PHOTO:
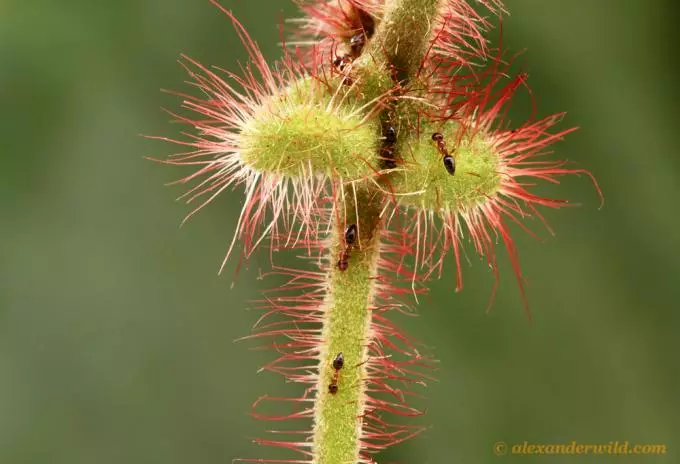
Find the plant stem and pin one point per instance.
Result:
(401, 41)
(404, 34)
(346, 329)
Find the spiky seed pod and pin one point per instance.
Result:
(282, 135)
(494, 168)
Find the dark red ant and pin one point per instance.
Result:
(387, 149)
(449, 161)
(350, 239)
(338, 362)
(356, 46)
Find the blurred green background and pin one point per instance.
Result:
(116, 334)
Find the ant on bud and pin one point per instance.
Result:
(350, 239)
(449, 161)
(356, 46)
(387, 149)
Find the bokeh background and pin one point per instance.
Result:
(116, 333)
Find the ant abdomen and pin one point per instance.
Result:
(338, 361)
(450, 164)
(350, 239)
(351, 234)
(356, 44)
(389, 134)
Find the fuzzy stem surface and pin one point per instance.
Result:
(400, 42)
(404, 34)
(347, 330)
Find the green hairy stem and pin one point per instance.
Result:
(403, 36)
(401, 40)
(346, 330)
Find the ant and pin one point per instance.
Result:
(338, 362)
(356, 46)
(350, 239)
(387, 150)
(449, 161)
